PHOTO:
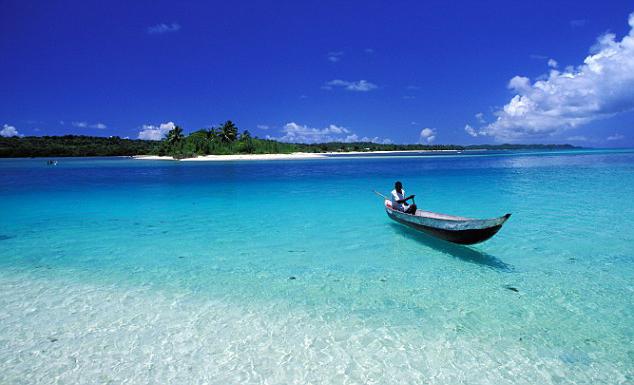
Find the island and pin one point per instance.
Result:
(225, 142)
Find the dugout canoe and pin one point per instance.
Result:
(465, 231)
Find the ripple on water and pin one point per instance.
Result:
(53, 330)
(141, 272)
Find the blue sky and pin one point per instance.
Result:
(406, 72)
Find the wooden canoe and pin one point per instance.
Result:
(465, 231)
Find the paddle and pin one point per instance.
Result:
(379, 194)
(384, 197)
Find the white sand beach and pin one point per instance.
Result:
(212, 158)
(291, 156)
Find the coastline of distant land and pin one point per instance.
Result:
(291, 156)
(240, 148)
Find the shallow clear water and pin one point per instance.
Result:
(126, 271)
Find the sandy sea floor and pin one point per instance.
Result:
(124, 271)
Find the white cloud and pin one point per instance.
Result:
(361, 85)
(552, 63)
(427, 135)
(480, 117)
(577, 138)
(334, 56)
(520, 83)
(150, 132)
(9, 131)
(470, 130)
(297, 133)
(601, 87)
(615, 137)
(376, 139)
(263, 126)
(84, 124)
(163, 28)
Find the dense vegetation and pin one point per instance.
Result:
(73, 145)
(223, 140)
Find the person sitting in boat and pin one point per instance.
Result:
(399, 201)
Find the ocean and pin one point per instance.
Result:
(115, 270)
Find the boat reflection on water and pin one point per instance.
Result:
(464, 253)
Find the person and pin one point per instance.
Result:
(399, 201)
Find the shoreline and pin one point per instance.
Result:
(291, 156)
(220, 158)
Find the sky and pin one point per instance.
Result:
(315, 71)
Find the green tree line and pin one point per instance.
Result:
(224, 139)
(73, 145)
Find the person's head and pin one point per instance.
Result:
(398, 185)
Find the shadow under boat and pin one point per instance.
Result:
(464, 253)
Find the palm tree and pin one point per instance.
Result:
(228, 132)
(199, 140)
(212, 134)
(246, 135)
(247, 142)
(175, 135)
(200, 134)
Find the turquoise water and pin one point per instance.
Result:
(117, 271)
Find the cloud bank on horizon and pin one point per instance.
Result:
(601, 87)
(298, 133)
(82, 124)
(152, 132)
(8, 131)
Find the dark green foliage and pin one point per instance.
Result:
(223, 140)
(74, 145)
(228, 132)
(175, 136)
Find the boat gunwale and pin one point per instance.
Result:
(479, 224)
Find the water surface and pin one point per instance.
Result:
(128, 271)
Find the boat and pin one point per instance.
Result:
(461, 230)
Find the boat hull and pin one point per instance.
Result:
(464, 231)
